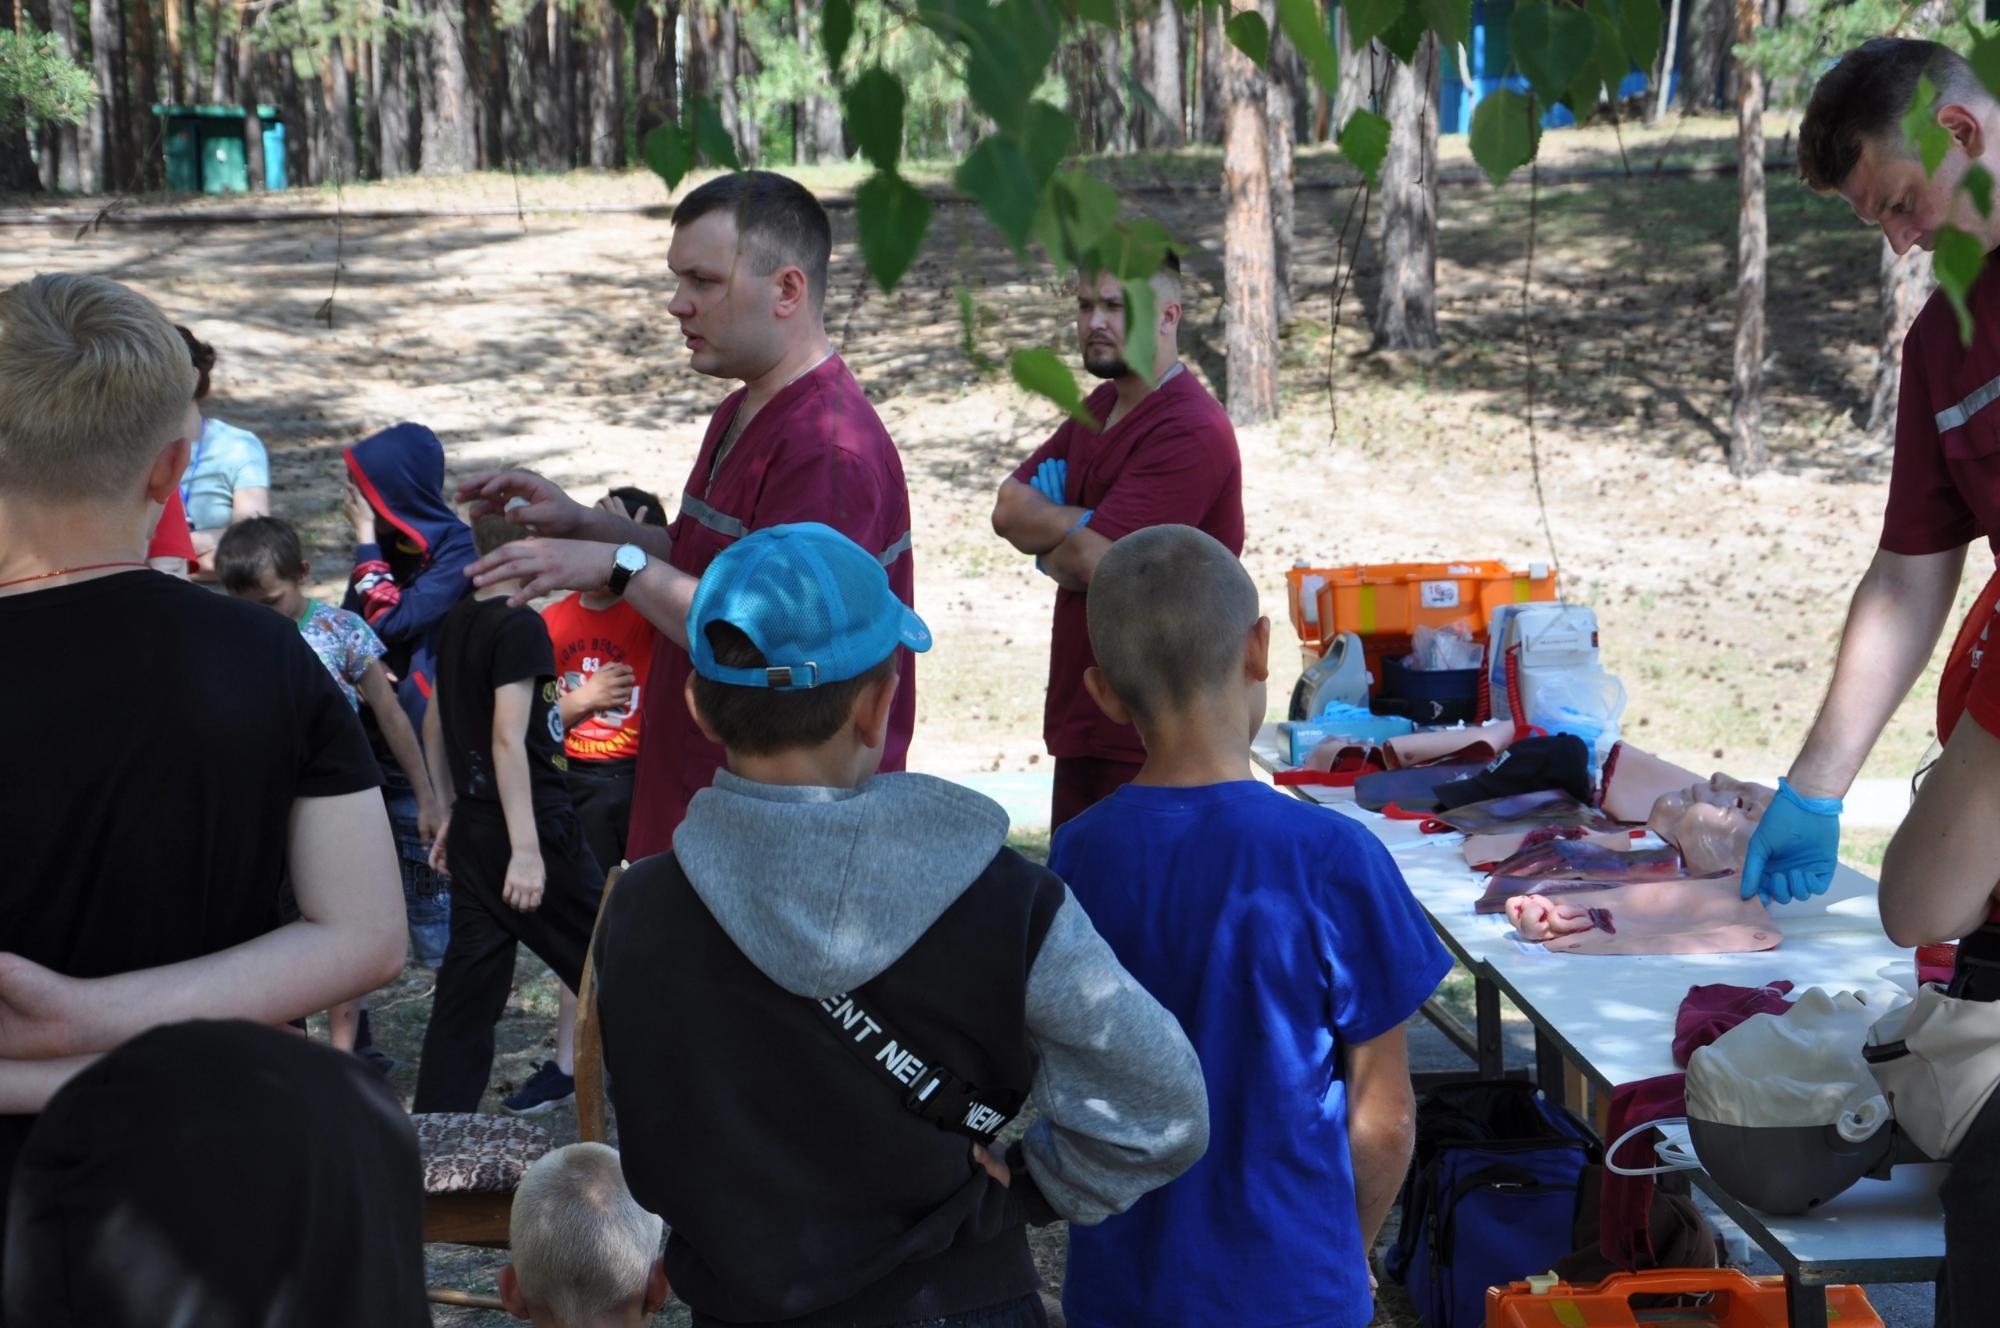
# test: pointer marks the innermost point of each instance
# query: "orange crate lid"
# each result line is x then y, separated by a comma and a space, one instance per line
1737, 1301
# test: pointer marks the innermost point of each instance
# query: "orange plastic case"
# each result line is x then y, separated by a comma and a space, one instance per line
1394, 599
1733, 1300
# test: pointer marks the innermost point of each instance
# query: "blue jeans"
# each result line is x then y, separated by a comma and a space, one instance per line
426, 896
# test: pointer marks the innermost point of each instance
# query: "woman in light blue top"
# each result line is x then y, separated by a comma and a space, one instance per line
228, 478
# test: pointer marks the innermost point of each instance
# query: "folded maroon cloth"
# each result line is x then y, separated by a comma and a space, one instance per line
1627, 1201
1707, 1013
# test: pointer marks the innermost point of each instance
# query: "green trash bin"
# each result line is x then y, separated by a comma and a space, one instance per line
204, 148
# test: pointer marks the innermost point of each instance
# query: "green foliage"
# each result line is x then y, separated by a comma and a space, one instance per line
1958, 259
1305, 27
875, 115
1142, 318
890, 218
1640, 25
1249, 34
1551, 44
1075, 212
38, 84
1450, 19
998, 176
710, 138
1041, 371
1506, 129
1978, 185
1926, 137
669, 154
1364, 141
1793, 54
836, 30
1369, 19
1406, 34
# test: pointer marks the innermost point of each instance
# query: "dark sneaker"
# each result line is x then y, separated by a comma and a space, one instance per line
378, 1060
546, 1089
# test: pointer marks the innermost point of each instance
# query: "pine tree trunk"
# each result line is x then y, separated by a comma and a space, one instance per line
190, 56
1281, 105
1406, 311
607, 90
394, 141
1663, 73
1156, 53
563, 62
337, 87
742, 117
653, 43
111, 113
1107, 54
1358, 73
305, 123
222, 77
62, 156
367, 134
1706, 42
245, 77
148, 161
176, 87
1215, 53
451, 121
1249, 276
1746, 434
17, 161
1906, 283
697, 64
486, 68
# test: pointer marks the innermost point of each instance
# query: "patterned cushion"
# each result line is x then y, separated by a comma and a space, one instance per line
466, 1153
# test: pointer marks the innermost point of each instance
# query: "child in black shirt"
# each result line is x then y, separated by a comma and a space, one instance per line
512, 846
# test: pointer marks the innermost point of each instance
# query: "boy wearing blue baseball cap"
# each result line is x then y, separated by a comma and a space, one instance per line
823, 1006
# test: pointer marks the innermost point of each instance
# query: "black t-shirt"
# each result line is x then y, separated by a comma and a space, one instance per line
157, 736
483, 646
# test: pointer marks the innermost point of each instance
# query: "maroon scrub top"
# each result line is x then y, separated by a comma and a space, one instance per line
1944, 485
816, 452
1172, 460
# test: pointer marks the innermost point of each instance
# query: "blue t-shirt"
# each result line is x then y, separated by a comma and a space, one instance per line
223, 460
1277, 932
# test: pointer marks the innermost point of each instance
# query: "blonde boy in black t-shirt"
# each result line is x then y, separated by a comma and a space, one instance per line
519, 867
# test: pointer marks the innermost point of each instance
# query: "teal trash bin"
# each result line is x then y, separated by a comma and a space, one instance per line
204, 148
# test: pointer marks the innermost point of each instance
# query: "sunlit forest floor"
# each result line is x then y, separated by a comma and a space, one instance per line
541, 337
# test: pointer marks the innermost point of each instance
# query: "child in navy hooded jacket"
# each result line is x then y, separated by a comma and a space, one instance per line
410, 556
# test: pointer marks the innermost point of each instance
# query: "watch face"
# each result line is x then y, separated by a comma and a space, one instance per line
630, 558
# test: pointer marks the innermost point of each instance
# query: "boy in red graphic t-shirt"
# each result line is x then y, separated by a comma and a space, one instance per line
604, 652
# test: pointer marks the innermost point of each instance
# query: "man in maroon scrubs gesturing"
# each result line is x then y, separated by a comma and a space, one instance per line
1163, 453
797, 442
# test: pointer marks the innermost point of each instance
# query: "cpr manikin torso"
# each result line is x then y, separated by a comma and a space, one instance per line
1698, 913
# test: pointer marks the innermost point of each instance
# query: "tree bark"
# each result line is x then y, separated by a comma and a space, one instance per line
62, 155
486, 68
1249, 277
1358, 71
17, 162
653, 53
451, 121
110, 119
1406, 309
1284, 73
246, 77
607, 90
1706, 44
1663, 74
223, 20
1746, 434
1156, 56
1906, 283
1216, 53
305, 122
337, 89
148, 162
394, 140
176, 88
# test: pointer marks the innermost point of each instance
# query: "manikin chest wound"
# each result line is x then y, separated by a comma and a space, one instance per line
1783, 1111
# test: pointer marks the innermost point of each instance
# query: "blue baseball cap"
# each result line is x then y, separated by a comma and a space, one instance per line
814, 603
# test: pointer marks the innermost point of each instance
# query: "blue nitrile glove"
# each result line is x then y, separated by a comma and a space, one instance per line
1052, 479
1795, 849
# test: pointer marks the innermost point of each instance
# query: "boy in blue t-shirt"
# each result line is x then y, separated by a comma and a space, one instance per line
1280, 934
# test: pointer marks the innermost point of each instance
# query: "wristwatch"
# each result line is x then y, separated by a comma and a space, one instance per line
628, 562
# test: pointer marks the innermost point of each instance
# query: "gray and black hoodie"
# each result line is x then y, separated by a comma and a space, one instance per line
796, 1187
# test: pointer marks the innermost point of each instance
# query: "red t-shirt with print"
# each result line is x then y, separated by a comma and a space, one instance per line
586, 640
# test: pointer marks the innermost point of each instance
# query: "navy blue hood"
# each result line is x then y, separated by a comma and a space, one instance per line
401, 472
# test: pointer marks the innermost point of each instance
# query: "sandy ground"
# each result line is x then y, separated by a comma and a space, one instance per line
543, 340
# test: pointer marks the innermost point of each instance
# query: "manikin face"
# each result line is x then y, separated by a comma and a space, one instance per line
727, 311
1710, 823
1100, 325
1888, 188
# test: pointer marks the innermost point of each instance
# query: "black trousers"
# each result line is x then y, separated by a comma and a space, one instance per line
478, 970
1968, 1285
601, 792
